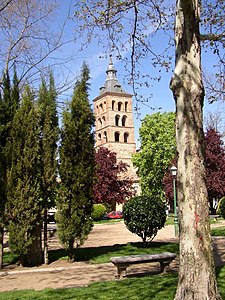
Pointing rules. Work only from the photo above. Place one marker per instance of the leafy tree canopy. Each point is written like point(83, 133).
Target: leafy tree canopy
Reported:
point(144, 216)
point(111, 187)
point(215, 164)
point(157, 137)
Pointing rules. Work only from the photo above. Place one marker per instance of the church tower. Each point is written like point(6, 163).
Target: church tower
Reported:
point(114, 125)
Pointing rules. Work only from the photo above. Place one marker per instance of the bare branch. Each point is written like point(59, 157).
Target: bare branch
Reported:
point(28, 38)
point(5, 5)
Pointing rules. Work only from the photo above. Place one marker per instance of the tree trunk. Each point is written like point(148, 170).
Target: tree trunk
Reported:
point(70, 251)
point(1, 246)
point(197, 278)
point(46, 261)
point(34, 255)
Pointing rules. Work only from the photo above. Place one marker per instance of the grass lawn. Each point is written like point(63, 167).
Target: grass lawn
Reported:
point(155, 287)
point(219, 231)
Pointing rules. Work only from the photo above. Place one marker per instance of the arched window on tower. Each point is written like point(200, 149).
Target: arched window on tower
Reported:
point(99, 136)
point(113, 105)
point(103, 121)
point(105, 106)
point(117, 136)
point(101, 107)
point(117, 120)
point(105, 136)
point(97, 109)
point(120, 106)
point(126, 105)
point(124, 118)
point(126, 135)
point(100, 122)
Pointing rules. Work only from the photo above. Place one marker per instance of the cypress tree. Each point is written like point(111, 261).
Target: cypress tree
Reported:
point(48, 143)
point(9, 101)
point(23, 186)
point(77, 168)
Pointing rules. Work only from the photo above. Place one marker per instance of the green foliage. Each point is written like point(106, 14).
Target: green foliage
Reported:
point(221, 207)
point(99, 210)
point(77, 168)
point(158, 147)
point(8, 104)
point(23, 181)
point(48, 140)
point(144, 216)
point(49, 135)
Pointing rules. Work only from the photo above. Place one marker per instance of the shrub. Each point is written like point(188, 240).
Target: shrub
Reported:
point(99, 210)
point(144, 216)
point(221, 207)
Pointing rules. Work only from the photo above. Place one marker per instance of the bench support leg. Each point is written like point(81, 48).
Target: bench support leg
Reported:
point(120, 271)
point(164, 266)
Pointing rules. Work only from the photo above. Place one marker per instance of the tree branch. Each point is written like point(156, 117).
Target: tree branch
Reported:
point(5, 5)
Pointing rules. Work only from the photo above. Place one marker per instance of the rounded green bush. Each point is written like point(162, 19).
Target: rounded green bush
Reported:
point(99, 210)
point(221, 207)
point(144, 216)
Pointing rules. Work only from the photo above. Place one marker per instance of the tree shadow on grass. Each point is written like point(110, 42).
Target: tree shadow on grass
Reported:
point(103, 253)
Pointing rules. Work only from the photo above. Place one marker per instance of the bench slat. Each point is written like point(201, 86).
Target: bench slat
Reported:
point(142, 257)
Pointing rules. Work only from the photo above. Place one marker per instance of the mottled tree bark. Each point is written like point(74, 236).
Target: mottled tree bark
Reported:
point(197, 278)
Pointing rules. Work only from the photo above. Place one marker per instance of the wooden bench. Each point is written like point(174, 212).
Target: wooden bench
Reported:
point(123, 262)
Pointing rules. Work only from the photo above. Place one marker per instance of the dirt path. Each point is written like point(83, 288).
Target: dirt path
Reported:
point(61, 274)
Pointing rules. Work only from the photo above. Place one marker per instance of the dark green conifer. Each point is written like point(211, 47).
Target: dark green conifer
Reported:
point(9, 100)
point(23, 186)
point(48, 142)
point(77, 168)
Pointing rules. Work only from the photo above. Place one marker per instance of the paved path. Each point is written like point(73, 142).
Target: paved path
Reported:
point(62, 274)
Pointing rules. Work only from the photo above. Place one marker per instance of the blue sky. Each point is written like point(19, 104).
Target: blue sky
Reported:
point(98, 62)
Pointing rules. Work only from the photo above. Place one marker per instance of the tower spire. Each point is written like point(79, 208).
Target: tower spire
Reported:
point(111, 83)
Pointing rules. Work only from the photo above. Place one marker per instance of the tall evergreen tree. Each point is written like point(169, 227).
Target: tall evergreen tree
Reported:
point(77, 168)
point(49, 133)
point(23, 186)
point(8, 104)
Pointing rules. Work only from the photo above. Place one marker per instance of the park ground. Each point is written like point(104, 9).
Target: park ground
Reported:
point(62, 274)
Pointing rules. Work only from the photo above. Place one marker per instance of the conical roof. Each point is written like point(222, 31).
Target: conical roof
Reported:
point(111, 83)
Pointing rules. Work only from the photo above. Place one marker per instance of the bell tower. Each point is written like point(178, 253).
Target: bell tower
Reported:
point(114, 125)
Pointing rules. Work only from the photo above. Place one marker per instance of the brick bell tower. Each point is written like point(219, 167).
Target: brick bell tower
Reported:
point(114, 125)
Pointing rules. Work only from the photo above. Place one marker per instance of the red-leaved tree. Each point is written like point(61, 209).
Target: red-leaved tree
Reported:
point(215, 169)
point(112, 187)
point(215, 165)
